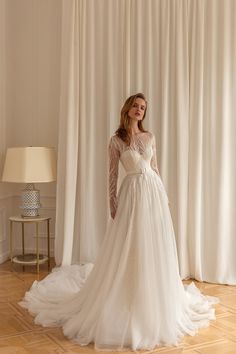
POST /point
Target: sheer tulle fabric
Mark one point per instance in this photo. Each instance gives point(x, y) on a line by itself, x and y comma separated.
point(132, 297)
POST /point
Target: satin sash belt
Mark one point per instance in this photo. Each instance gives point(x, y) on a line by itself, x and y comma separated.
point(144, 170)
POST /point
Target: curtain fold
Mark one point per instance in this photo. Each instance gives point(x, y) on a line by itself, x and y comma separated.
point(68, 136)
point(180, 54)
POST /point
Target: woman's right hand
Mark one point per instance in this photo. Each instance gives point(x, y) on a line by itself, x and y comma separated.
point(113, 206)
point(113, 213)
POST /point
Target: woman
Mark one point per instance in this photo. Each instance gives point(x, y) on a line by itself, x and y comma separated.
point(132, 297)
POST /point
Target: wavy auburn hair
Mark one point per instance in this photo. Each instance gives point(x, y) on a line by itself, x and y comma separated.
point(124, 130)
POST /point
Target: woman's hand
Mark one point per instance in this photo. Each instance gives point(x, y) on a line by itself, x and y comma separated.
point(113, 206)
point(113, 213)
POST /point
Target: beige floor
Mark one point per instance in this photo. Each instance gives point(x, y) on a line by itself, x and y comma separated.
point(19, 334)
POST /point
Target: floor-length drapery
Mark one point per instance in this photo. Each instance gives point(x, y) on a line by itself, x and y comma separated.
point(212, 127)
point(180, 54)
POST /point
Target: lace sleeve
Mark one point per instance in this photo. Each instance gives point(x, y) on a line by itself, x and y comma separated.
point(114, 156)
point(154, 156)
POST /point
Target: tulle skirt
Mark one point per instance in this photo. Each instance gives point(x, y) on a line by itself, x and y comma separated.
point(133, 296)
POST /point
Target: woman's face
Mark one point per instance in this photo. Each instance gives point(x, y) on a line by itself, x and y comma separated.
point(137, 109)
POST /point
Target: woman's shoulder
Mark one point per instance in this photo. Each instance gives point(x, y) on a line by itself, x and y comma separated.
point(150, 134)
point(114, 137)
point(115, 141)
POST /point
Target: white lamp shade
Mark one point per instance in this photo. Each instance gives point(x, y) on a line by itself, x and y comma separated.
point(30, 165)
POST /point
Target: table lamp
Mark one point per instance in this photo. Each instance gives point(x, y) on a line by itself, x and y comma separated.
point(30, 165)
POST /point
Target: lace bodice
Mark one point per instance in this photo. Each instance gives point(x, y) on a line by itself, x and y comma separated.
point(141, 153)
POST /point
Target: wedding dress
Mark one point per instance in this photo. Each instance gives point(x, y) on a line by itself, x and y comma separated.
point(133, 296)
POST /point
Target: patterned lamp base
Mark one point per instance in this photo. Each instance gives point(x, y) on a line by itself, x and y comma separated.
point(30, 201)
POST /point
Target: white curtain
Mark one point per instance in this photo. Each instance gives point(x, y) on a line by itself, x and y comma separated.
point(180, 54)
point(212, 143)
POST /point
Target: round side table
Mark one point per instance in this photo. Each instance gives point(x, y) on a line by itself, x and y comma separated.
point(30, 259)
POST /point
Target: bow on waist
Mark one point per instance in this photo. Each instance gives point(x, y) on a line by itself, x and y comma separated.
point(143, 170)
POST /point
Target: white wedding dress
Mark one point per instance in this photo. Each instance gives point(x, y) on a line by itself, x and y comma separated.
point(133, 296)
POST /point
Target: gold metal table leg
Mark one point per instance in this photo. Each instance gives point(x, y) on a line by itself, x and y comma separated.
point(48, 233)
point(37, 246)
point(11, 248)
point(23, 241)
point(23, 238)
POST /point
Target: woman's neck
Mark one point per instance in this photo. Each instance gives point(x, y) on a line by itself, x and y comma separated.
point(135, 129)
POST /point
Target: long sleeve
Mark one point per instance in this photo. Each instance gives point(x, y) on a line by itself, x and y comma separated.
point(114, 156)
point(154, 157)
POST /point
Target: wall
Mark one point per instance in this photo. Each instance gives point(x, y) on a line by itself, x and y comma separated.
point(5, 191)
point(30, 33)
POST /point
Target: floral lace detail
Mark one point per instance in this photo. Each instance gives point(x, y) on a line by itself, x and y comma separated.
point(139, 142)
